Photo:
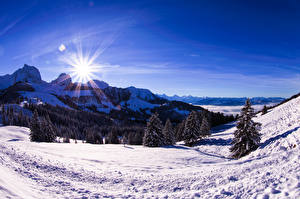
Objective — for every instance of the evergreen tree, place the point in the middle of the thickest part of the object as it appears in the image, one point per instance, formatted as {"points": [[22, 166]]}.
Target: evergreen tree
{"points": [[89, 135], [168, 133], [98, 138], [131, 139], [48, 129], [153, 133], [180, 131], [191, 129], [35, 130], [135, 138], [246, 137], [3, 115], [93, 135], [112, 137], [264, 110], [205, 127]]}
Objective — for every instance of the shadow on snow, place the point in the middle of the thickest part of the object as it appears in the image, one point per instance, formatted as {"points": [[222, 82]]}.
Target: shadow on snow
{"points": [[216, 142], [284, 135]]}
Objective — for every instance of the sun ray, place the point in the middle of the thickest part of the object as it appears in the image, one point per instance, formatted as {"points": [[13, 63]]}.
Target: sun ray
{"points": [[82, 66]]}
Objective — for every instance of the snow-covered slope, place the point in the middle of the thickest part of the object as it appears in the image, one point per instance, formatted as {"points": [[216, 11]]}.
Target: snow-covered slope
{"points": [[57, 170]]}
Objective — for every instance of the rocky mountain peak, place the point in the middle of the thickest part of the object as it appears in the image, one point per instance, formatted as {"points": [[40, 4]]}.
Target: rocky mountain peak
{"points": [[62, 80], [29, 74]]}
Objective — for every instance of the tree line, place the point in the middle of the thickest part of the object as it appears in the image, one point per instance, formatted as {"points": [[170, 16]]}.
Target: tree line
{"points": [[195, 127], [48, 122]]}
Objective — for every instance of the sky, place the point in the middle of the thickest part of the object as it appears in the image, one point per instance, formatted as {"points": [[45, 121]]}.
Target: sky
{"points": [[200, 48]]}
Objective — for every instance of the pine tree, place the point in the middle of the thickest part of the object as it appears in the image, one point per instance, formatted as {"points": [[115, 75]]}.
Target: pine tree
{"points": [[168, 133], [264, 110], [93, 135], [205, 127], [112, 137], [35, 128], [10, 115], [48, 129], [191, 129], [180, 131], [3, 114], [153, 133], [135, 138], [89, 135], [98, 138], [246, 137]]}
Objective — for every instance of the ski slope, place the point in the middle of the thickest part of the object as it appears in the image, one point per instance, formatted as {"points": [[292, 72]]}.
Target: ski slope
{"points": [[59, 170]]}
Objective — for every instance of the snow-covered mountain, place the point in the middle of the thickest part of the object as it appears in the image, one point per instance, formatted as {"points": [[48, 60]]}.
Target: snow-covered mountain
{"points": [[224, 101], [94, 95], [58, 170], [28, 74]]}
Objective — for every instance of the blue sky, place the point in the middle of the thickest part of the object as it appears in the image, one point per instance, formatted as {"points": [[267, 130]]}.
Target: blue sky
{"points": [[200, 48]]}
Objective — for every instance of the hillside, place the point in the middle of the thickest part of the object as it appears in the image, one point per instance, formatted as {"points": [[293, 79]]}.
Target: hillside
{"points": [[56, 170]]}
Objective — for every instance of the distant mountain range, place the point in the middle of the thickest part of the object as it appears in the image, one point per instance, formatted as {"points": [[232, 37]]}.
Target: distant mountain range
{"points": [[223, 101], [132, 104]]}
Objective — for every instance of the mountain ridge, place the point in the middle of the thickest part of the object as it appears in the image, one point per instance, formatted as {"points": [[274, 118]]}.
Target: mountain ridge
{"points": [[95, 95], [223, 101], [27, 73]]}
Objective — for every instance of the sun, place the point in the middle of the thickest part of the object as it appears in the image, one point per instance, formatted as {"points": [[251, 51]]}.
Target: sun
{"points": [[83, 71], [82, 67]]}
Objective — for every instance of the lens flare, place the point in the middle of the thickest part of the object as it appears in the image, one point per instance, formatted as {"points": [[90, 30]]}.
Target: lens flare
{"points": [[82, 67], [82, 71]]}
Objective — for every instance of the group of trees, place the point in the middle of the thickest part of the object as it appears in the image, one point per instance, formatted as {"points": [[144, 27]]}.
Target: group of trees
{"points": [[69, 124], [197, 126], [48, 122], [10, 116], [194, 130], [190, 130], [41, 129]]}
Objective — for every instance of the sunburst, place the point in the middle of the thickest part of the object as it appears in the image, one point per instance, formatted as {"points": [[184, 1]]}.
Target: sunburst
{"points": [[82, 66]]}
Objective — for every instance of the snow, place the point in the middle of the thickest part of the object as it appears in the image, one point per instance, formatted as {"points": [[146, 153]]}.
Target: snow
{"points": [[60, 170], [26, 74], [45, 97], [144, 94], [136, 104], [98, 84]]}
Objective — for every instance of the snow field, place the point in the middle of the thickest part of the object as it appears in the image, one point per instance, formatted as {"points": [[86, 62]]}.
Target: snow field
{"points": [[59, 170]]}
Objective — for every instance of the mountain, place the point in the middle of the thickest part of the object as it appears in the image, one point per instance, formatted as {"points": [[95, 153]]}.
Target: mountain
{"points": [[97, 96], [59, 170], [27, 74], [223, 101]]}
